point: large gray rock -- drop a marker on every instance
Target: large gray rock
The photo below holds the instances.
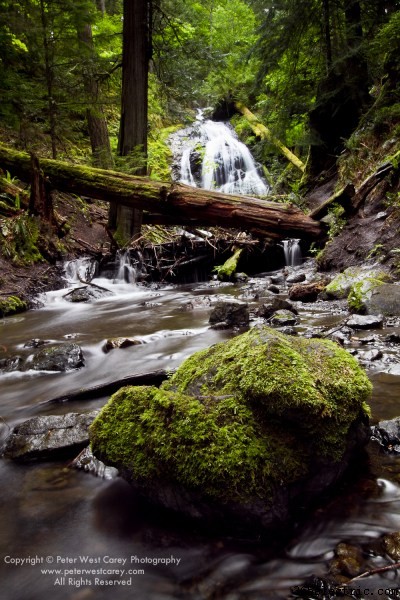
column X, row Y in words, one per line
column 267, row 310
column 53, row 436
column 283, row 318
column 365, row 322
column 385, row 300
column 63, row 357
column 387, row 434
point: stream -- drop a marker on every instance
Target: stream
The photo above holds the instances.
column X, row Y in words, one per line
column 55, row 517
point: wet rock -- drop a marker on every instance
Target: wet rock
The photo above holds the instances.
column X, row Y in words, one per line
column 10, row 364
column 11, row 305
column 274, row 289
column 86, row 461
column 229, row 314
column 282, row 318
column 267, row 310
column 371, row 355
column 278, row 279
column 50, row 436
column 65, row 357
column 306, row 292
column 391, row 544
column 35, row 343
column 348, row 561
column 295, row 278
column 387, row 434
column 121, row 342
column 392, row 338
column 384, row 299
column 365, row 321
column 87, row 294
column 215, row 444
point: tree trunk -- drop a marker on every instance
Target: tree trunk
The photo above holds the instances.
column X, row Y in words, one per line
column 134, row 101
column 49, row 75
column 180, row 203
column 265, row 134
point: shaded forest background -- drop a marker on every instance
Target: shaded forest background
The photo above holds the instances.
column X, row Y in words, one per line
column 105, row 83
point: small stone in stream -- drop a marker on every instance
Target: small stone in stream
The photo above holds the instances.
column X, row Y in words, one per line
column 86, row 294
column 306, row 292
column 295, row 278
column 274, row 289
column 9, row 364
column 121, row 342
column 287, row 330
column 49, row 436
column 370, row 339
column 365, row 321
column 282, row 318
column 387, row 434
column 278, row 279
column 348, row 561
column 86, row 461
column 267, row 310
column 391, row 544
column 392, row 338
column 35, row 343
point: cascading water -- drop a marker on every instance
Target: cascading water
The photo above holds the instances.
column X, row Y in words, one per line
column 213, row 158
column 292, row 252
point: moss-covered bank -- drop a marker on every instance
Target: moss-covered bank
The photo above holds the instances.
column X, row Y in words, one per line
column 11, row 305
column 238, row 420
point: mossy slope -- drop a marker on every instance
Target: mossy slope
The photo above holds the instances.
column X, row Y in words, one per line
column 237, row 420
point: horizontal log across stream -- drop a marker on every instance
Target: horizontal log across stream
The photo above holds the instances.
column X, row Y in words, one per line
column 175, row 202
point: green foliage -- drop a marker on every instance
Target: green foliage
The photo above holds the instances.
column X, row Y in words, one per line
column 228, row 269
column 10, row 305
column 19, row 237
column 336, row 220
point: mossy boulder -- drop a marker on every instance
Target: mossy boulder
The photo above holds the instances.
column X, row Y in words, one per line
column 359, row 279
column 10, row 305
column 241, row 430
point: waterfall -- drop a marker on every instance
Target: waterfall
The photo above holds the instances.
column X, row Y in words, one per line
column 214, row 159
column 292, row 252
column 81, row 269
column 125, row 270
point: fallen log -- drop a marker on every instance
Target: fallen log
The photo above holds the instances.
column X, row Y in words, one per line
column 177, row 202
column 264, row 133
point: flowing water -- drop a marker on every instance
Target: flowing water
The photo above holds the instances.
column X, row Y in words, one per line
column 212, row 157
column 61, row 518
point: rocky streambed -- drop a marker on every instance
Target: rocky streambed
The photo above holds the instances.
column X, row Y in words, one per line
column 138, row 329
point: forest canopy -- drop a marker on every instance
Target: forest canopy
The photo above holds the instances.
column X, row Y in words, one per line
column 311, row 70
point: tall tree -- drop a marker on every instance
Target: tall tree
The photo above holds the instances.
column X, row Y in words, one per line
column 134, row 100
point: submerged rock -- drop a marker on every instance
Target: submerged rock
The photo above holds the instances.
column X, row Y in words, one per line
column 50, row 436
column 11, row 363
column 242, row 430
column 64, row 357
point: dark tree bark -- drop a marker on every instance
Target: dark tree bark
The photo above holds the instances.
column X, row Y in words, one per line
column 327, row 33
column 134, row 102
column 40, row 201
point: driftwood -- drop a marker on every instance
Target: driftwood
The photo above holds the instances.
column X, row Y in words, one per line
column 180, row 203
column 105, row 389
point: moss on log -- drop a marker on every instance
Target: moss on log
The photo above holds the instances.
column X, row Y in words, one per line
column 177, row 202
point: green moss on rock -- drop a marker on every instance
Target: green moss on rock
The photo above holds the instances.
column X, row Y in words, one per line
column 11, row 305
column 226, row 271
column 237, row 420
column 341, row 286
column 361, row 291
